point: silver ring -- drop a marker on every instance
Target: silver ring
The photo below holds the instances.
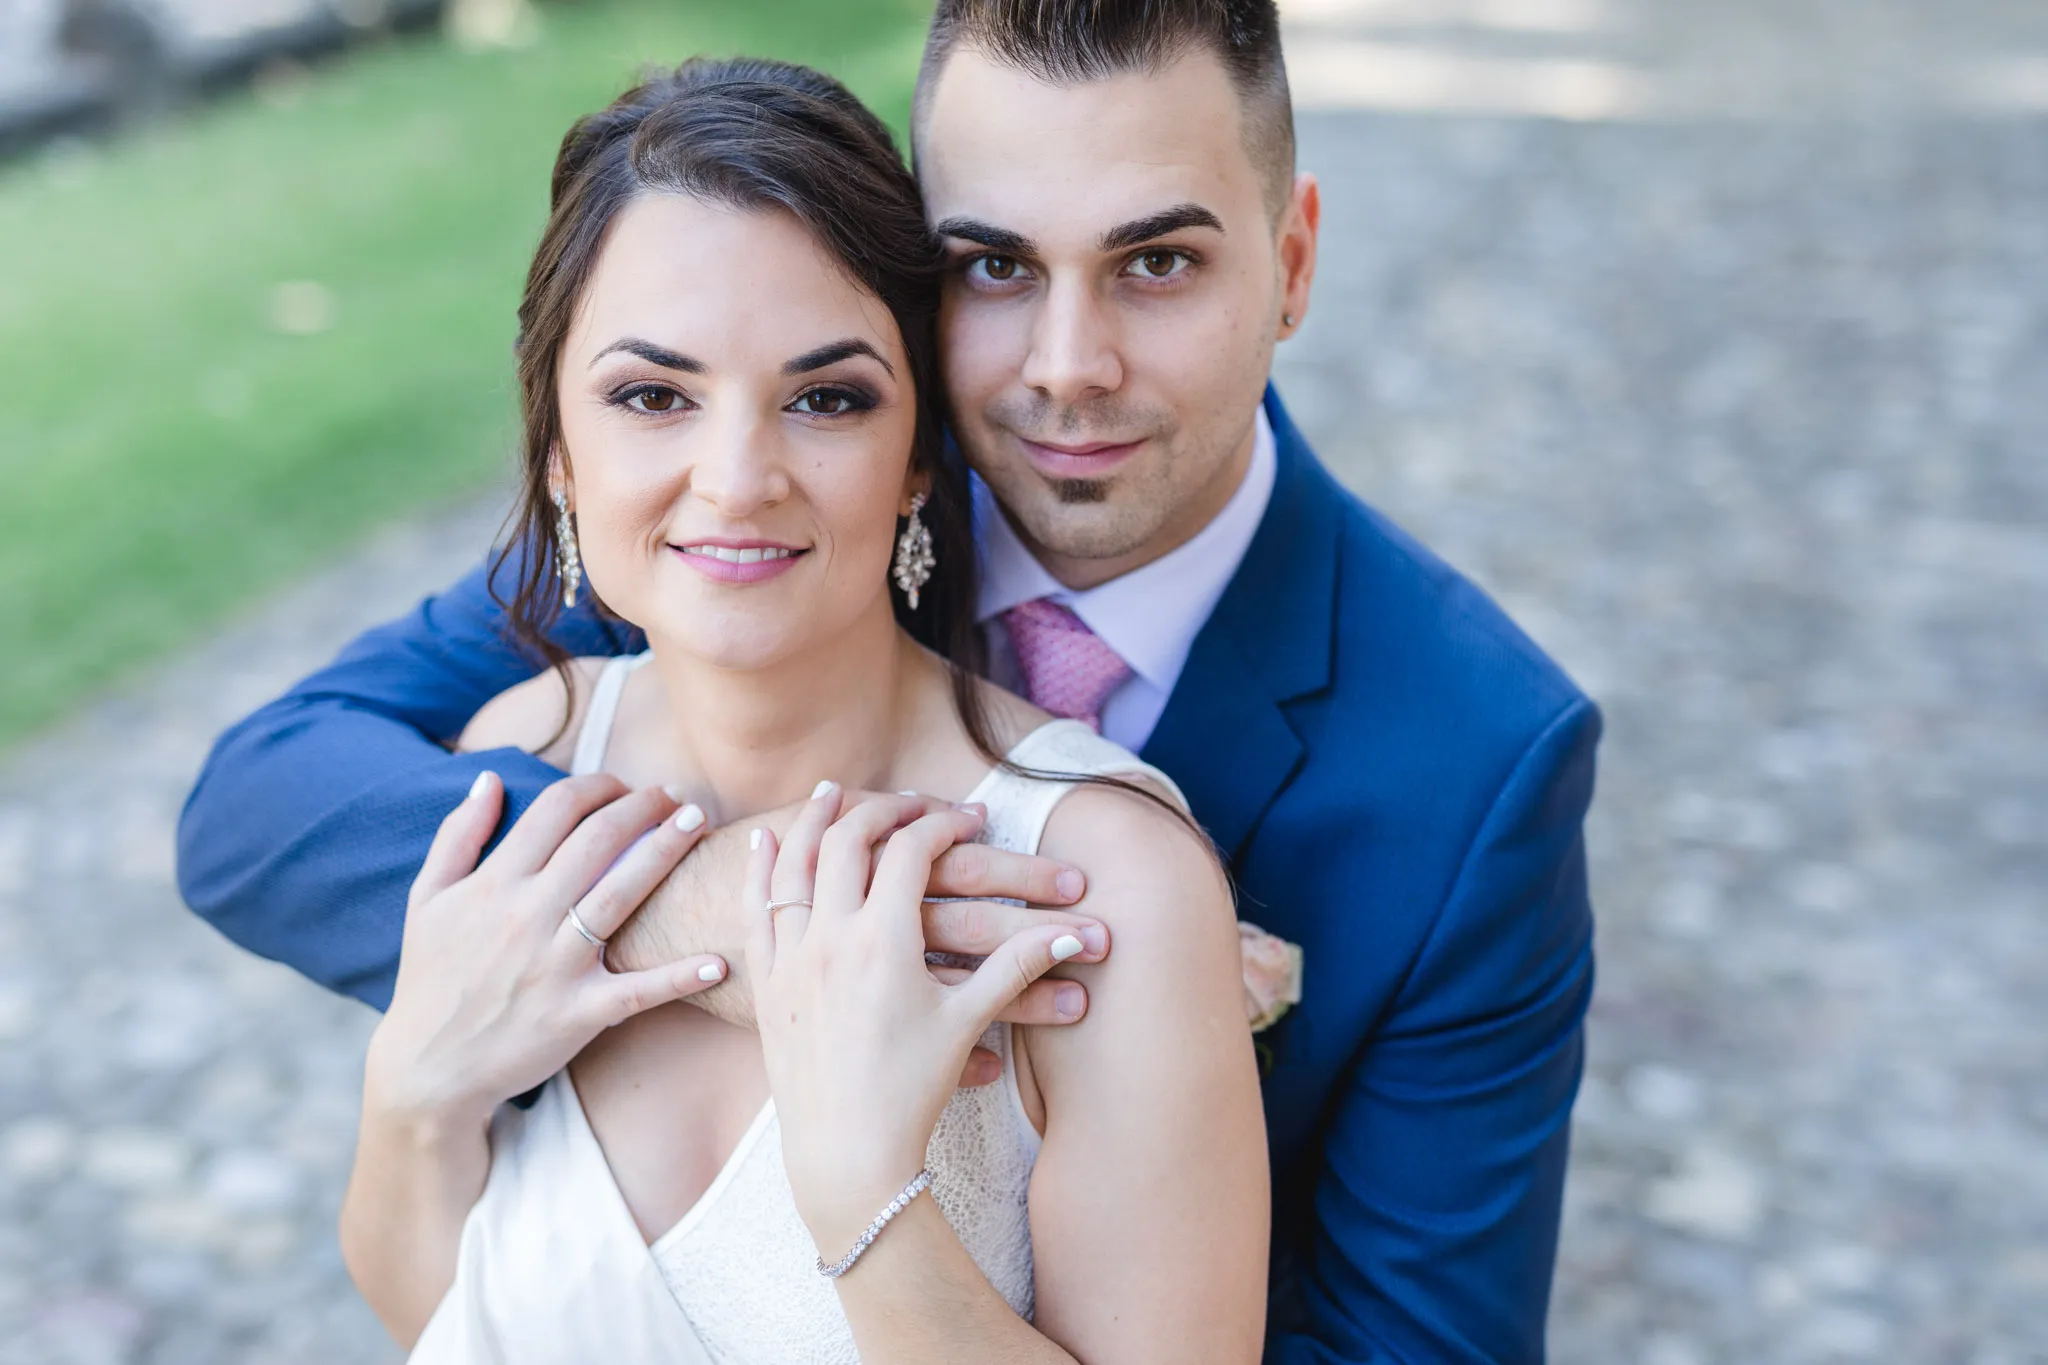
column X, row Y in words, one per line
column 576, row 923
column 773, row 906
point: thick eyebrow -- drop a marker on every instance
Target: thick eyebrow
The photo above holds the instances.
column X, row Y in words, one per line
column 1124, row 236
column 653, row 354
column 833, row 353
column 988, row 235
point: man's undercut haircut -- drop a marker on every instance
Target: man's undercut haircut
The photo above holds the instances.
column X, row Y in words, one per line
column 1069, row 42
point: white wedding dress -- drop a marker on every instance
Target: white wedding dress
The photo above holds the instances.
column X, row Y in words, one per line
column 553, row 1271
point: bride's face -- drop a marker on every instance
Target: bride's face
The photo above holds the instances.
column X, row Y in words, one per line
column 737, row 419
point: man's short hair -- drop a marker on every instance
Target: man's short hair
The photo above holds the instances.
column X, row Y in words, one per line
column 1067, row 42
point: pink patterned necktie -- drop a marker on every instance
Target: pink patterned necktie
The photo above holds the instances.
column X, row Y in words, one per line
column 1067, row 668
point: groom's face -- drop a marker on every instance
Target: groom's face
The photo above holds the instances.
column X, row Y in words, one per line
column 1118, row 279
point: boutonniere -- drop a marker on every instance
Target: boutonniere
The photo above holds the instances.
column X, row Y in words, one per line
column 1272, row 975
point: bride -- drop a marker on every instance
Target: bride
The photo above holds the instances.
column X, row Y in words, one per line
column 727, row 365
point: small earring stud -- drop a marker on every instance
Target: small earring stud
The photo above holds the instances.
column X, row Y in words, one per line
column 1287, row 319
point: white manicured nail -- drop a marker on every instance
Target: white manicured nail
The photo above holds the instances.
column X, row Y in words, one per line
column 481, row 785
column 824, row 789
column 675, row 793
column 689, row 818
column 906, row 793
column 1064, row 947
column 710, row 971
column 754, row 839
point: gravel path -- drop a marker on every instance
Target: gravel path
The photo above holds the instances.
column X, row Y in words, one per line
column 1760, row 461
column 176, row 1116
column 1741, row 416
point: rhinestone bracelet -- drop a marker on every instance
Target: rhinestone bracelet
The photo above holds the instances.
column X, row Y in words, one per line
column 919, row 1183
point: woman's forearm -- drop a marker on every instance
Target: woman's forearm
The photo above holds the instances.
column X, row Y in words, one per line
column 916, row 1295
column 417, row 1175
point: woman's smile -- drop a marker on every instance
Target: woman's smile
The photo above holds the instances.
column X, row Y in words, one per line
column 739, row 561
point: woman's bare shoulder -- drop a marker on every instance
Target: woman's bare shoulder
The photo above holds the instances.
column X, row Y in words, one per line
column 1149, row 871
column 540, row 715
column 1158, row 1077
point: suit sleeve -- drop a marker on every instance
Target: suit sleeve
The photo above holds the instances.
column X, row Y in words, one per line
column 1437, row 1209
column 301, row 838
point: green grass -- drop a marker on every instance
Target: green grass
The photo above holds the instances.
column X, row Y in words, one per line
column 165, row 453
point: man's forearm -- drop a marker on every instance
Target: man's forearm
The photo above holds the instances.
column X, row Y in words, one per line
column 311, row 817
column 308, row 826
column 701, row 909
column 698, row 909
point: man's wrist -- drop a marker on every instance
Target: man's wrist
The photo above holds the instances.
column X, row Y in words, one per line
column 696, row 910
column 661, row 931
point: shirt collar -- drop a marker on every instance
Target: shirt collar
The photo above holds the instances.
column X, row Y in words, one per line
column 1151, row 615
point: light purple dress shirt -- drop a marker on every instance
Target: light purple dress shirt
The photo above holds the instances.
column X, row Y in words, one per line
column 1149, row 616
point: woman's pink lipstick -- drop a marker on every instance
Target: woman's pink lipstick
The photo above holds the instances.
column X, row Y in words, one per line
column 739, row 561
column 1093, row 460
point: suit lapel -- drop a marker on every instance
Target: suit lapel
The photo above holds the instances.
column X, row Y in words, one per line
column 1224, row 736
column 1224, row 742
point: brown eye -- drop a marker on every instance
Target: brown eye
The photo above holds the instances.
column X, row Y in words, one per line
column 999, row 267
column 655, row 400
column 825, row 403
column 1159, row 264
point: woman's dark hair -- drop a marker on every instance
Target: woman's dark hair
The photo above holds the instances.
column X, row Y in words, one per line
column 758, row 136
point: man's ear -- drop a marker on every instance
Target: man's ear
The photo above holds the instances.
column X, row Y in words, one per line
column 1299, row 224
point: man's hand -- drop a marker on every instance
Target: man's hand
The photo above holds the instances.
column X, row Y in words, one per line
column 699, row 909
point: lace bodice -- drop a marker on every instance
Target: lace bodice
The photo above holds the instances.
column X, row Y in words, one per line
column 736, row 1274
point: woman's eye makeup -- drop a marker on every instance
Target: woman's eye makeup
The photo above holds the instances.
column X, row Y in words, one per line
column 833, row 400
column 826, row 400
column 656, row 400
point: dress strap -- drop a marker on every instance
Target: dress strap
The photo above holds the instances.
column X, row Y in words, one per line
column 1019, row 807
column 1069, row 746
column 596, row 736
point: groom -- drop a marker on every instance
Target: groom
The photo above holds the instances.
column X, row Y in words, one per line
column 1395, row 775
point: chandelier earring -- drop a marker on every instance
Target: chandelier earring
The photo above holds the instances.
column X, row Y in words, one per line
column 914, row 558
column 568, row 559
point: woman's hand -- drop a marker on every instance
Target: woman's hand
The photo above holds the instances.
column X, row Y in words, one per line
column 496, row 989
column 863, row 1045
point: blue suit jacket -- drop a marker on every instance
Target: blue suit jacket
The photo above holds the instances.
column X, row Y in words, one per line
column 1396, row 775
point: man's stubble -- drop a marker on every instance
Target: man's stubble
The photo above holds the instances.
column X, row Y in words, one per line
column 1122, row 518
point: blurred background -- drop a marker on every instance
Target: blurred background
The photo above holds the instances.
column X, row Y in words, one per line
column 1709, row 337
